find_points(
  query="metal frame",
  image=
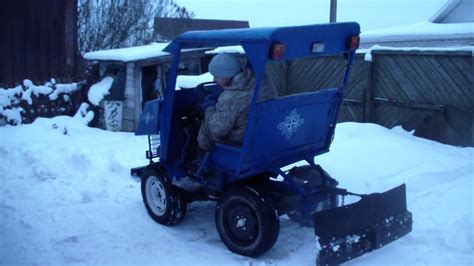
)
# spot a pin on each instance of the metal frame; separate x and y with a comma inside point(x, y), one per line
point(379, 218)
point(257, 43)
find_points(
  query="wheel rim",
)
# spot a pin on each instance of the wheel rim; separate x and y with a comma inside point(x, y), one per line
point(241, 224)
point(156, 195)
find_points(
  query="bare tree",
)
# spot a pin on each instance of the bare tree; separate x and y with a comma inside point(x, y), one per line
point(107, 24)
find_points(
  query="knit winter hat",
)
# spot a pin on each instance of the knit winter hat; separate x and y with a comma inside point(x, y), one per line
point(225, 66)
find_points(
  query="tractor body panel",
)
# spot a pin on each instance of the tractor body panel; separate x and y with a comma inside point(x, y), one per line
point(279, 132)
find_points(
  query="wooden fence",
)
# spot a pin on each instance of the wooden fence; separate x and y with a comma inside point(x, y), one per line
point(427, 91)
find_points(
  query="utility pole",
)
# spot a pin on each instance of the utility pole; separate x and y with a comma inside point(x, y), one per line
point(333, 11)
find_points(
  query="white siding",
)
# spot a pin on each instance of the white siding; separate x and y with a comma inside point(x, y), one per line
point(464, 12)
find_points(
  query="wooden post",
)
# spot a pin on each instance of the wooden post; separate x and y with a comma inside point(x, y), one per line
point(333, 11)
point(287, 66)
point(369, 108)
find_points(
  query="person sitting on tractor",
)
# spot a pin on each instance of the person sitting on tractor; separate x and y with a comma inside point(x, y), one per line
point(226, 111)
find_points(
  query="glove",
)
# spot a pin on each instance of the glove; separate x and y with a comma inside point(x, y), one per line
point(208, 103)
point(211, 99)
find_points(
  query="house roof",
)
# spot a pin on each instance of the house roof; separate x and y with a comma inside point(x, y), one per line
point(455, 11)
point(452, 25)
point(169, 28)
point(420, 31)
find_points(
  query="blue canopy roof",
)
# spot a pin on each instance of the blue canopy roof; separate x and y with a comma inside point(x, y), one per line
point(298, 39)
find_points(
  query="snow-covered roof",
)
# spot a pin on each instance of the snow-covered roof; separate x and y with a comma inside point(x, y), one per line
point(128, 54)
point(435, 30)
point(420, 31)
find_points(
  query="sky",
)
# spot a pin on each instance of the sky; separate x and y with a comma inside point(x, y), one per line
point(269, 13)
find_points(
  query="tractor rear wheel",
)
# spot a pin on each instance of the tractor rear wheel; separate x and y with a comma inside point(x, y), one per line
point(247, 222)
point(162, 200)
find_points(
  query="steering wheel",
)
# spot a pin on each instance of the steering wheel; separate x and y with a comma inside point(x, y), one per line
point(204, 89)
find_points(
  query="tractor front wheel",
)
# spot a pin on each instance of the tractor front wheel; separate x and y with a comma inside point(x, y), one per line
point(162, 200)
point(247, 222)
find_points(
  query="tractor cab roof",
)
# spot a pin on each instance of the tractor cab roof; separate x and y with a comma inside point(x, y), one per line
point(260, 43)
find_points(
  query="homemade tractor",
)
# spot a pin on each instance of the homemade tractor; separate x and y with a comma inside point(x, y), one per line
point(248, 182)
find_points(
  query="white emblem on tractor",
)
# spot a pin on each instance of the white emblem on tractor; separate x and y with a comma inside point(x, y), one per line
point(291, 124)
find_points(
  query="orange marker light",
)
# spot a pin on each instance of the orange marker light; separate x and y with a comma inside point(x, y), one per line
point(354, 45)
point(278, 51)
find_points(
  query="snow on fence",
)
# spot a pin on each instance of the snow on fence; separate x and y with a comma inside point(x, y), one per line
point(24, 103)
point(430, 91)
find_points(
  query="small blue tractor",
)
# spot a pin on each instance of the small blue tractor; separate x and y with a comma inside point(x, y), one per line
point(248, 182)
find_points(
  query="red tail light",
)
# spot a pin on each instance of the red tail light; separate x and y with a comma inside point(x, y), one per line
point(354, 44)
point(278, 51)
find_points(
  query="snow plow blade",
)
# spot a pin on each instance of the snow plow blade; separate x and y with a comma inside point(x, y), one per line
point(350, 231)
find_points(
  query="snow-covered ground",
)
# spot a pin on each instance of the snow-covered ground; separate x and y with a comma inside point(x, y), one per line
point(66, 197)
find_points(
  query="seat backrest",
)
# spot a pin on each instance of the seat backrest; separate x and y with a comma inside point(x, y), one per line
point(290, 129)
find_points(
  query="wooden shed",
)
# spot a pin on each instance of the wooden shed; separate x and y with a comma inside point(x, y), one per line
point(137, 74)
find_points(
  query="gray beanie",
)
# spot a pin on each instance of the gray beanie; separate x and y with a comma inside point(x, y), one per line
point(225, 66)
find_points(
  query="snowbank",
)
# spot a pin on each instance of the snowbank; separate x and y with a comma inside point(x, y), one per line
point(67, 198)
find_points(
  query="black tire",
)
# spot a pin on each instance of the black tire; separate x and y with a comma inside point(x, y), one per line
point(247, 223)
point(312, 178)
point(162, 200)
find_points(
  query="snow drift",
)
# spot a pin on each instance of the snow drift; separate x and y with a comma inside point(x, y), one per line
point(67, 198)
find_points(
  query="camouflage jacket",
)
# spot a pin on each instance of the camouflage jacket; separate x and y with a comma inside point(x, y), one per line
point(226, 122)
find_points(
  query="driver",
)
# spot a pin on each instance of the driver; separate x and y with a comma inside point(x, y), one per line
point(227, 110)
